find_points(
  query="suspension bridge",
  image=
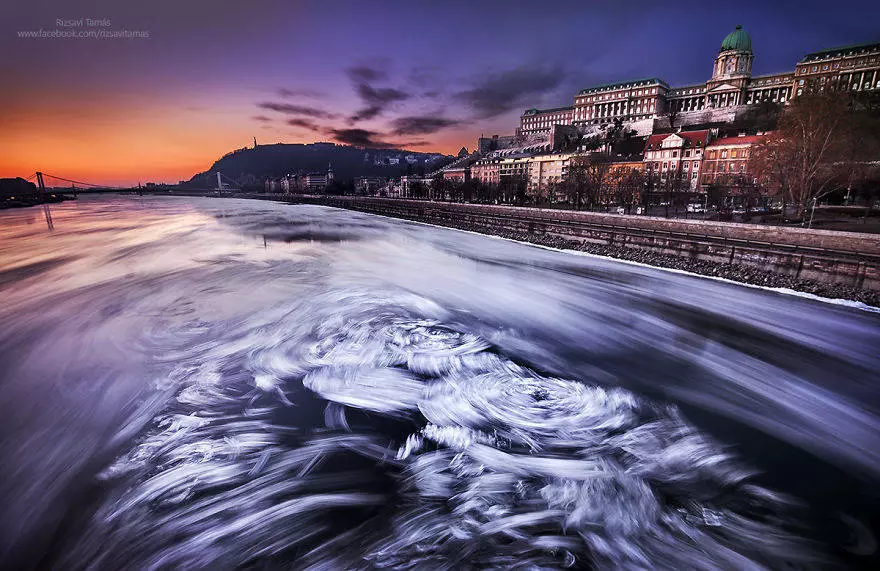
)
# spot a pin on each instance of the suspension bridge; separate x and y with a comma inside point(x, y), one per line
point(48, 184)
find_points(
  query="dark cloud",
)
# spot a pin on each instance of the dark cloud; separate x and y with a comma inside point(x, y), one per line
point(421, 125)
point(512, 89)
point(380, 96)
point(312, 93)
point(303, 110)
point(366, 74)
point(366, 114)
point(304, 124)
point(261, 118)
point(366, 138)
point(375, 99)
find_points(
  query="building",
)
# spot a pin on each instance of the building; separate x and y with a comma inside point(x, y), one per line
point(673, 155)
point(496, 142)
point(547, 170)
point(726, 160)
point(414, 186)
point(541, 120)
point(629, 100)
point(620, 169)
point(487, 171)
point(730, 86)
point(369, 184)
point(855, 68)
point(532, 173)
point(316, 182)
point(457, 174)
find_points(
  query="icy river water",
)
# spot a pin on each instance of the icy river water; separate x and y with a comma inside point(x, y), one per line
point(219, 383)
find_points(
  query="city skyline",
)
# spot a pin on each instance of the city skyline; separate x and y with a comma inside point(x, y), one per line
point(208, 78)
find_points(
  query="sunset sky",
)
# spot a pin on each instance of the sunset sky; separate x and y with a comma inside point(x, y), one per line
point(429, 76)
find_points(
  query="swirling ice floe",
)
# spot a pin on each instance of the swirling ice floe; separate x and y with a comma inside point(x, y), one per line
point(366, 431)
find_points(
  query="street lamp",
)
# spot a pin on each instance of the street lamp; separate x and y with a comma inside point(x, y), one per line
point(812, 213)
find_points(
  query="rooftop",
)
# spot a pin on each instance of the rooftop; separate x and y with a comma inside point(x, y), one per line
point(738, 39)
point(840, 50)
point(745, 140)
point(690, 137)
point(535, 111)
point(644, 80)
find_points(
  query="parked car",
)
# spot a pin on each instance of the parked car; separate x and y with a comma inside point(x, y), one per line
point(621, 210)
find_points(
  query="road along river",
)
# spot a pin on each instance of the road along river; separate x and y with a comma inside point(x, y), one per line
point(198, 382)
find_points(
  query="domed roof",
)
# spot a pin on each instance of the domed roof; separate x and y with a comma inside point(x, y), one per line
point(738, 39)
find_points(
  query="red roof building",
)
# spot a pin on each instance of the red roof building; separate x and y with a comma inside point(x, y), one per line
point(676, 155)
point(727, 160)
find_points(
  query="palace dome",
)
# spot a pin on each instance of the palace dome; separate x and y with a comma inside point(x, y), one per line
point(738, 39)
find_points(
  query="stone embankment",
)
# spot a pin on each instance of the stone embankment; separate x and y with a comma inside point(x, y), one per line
point(830, 264)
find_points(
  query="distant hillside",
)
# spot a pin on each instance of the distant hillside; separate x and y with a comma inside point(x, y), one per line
point(256, 164)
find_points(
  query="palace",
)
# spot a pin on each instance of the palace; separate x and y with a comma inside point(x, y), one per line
point(732, 85)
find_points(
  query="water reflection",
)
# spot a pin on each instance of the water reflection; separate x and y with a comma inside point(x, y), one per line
point(47, 213)
point(219, 383)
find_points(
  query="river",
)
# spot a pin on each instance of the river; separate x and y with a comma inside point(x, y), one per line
point(220, 383)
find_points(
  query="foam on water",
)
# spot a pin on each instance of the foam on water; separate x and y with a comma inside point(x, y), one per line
point(218, 384)
point(479, 461)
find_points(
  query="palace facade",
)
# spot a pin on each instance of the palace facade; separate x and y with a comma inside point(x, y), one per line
point(855, 67)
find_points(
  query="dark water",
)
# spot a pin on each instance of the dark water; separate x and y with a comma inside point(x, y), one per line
point(218, 383)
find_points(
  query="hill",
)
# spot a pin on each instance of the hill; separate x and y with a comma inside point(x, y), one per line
point(253, 165)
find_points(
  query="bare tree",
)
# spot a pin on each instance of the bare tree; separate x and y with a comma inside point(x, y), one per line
point(807, 153)
point(628, 186)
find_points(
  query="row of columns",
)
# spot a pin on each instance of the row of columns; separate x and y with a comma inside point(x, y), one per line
point(728, 99)
point(872, 84)
point(618, 108)
point(776, 94)
point(689, 103)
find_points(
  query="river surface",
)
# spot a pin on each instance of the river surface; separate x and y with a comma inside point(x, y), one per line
point(218, 383)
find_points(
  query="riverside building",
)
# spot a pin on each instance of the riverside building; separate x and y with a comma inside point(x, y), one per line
point(855, 68)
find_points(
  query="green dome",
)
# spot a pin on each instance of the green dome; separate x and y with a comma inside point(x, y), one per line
point(738, 39)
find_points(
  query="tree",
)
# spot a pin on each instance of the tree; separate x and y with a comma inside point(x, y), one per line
point(587, 177)
point(628, 188)
point(808, 152)
point(674, 186)
point(441, 188)
point(672, 115)
point(762, 116)
point(717, 194)
point(513, 188)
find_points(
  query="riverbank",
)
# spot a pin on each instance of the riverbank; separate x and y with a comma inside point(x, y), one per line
point(28, 200)
point(734, 272)
point(737, 272)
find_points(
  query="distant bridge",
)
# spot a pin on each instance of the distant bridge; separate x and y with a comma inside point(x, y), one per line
point(77, 186)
